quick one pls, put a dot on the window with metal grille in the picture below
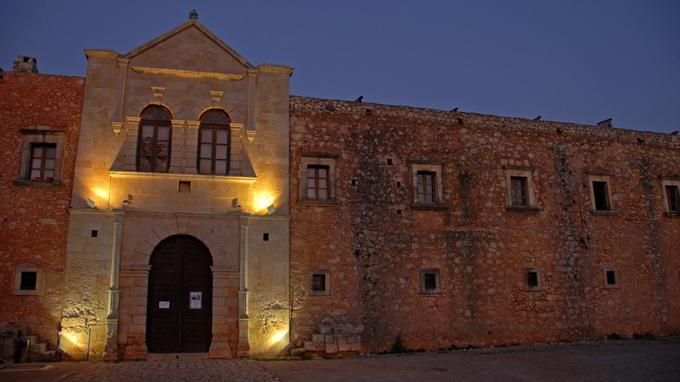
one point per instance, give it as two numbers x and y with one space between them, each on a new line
28 281
426 188
519 191
532 279
317 182
153 146
673 197
43 159
319 282
610 275
601 195
214 143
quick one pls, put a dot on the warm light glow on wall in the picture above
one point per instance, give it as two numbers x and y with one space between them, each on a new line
278 336
262 200
101 193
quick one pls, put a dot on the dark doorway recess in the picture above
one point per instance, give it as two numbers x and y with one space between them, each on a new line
179 308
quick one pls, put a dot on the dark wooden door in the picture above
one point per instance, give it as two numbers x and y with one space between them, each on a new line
179 307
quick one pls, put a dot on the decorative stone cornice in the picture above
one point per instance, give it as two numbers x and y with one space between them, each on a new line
269 68
187 73
170 175
236 126
177 123
158 92
193 124
100 53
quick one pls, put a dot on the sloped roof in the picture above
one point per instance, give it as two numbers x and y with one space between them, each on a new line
186 25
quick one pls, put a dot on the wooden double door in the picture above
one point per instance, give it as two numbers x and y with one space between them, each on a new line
179 311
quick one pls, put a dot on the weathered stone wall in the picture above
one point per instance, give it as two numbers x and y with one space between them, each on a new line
374 242
34 216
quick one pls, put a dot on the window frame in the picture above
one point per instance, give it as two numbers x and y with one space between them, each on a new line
214 129
39 283
593 200
665 184
423 283
40 135
45 146
317 182
155 123
327 283
429 178
418 167
531 203
317 159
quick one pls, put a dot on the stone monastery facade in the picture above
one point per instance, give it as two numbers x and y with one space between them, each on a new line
179 200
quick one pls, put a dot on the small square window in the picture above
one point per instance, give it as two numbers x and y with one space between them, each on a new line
29 280
610 276
320 283
429 281
94 233
601 195
265 236
532 279
673 198
184 187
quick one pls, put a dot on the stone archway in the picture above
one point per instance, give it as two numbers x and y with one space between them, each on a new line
179 299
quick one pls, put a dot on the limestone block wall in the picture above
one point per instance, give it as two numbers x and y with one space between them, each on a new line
188 71
85 304
374 241
34 215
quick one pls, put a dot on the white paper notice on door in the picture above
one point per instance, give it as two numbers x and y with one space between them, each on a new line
163 304
195 300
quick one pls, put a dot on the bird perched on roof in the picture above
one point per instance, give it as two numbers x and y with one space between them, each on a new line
537 118
455 109
675 132
359 99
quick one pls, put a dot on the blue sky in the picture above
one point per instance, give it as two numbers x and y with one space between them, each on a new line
576 61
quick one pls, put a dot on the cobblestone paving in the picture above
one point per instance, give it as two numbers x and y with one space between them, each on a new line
176 370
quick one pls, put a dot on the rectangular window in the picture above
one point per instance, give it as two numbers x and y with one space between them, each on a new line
317 182
429 281
601 195
42 162
320 283
673 197
532 279
610 276
519 191
28 281
184 187
426 187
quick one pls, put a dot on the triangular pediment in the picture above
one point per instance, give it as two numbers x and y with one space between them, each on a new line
189 46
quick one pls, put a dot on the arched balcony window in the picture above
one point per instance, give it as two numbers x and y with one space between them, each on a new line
153 146
214 143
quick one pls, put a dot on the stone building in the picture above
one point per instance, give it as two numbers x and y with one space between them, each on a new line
211 212
39 124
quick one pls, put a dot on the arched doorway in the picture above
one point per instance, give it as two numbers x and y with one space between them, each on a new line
179 308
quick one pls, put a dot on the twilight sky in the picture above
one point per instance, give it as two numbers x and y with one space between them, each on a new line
577 61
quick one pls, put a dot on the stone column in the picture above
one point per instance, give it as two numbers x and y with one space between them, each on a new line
243 348
111 349
191 147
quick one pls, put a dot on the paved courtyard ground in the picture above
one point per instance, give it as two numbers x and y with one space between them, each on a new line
654 360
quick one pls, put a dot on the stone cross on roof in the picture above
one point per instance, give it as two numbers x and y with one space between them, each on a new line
193 15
